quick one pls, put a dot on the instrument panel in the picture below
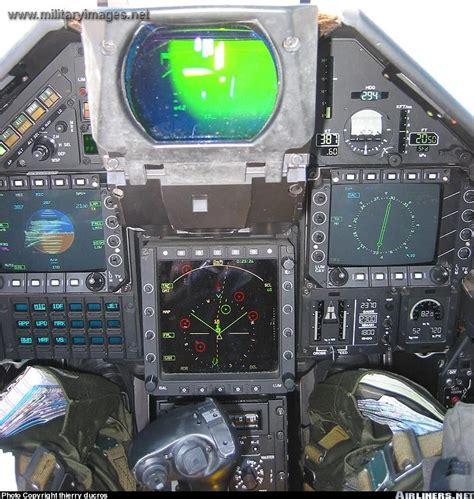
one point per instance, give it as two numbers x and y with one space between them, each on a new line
352 244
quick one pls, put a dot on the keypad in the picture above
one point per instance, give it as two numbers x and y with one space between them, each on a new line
69 324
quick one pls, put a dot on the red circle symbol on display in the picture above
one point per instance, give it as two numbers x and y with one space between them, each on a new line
184 323
239 296
253 315
199 346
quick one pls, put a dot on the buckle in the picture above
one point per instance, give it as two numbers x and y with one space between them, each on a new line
59 477
381 468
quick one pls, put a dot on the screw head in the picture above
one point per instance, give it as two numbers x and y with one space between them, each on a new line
291 43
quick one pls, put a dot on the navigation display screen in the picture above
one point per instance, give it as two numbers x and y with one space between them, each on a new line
219 316
383 224
51 231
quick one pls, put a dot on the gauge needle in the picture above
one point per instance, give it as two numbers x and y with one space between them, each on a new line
384 225
232 323
205 323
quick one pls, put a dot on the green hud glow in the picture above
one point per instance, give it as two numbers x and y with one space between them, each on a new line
217 84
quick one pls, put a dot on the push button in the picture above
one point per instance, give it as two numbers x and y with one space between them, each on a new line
95 324
77 324
75 307
113 324
21 307
94 307
97 340
115 340
78 340
61 340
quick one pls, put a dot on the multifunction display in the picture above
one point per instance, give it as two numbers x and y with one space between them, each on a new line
219 316
51 231
383 224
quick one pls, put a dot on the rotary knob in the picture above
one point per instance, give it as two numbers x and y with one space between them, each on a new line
249 475
43 148
338 276
439 274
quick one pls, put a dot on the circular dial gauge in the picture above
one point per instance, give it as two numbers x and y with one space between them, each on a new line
367 131
426 317
427 310
384 225
218 316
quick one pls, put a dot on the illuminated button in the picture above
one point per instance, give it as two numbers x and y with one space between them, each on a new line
74 282
379 277
48 97
78 340
59 324
94 307
21 307
75 307
112 307
217 252
399 276
22 124
77 324
432 176
235 252
181 253
39 307
35 283
9 137
113 324
3 150
183 390
237 389
25 340
23 324
371 176
15 283
59 182
359 277
85 111
41 324
80 181
418 275
35 110
115 340
42 340
54 283
19 183
350 176
412 176
199 252
220 389
391 176
253 251
97 340
95 324
57 307
256 388
61 340
39 182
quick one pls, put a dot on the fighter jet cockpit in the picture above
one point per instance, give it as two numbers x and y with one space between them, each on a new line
235 255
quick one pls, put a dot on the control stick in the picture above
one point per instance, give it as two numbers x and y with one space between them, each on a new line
195 444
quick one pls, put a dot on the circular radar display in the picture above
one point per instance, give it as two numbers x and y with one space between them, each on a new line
219 316
367 131
49 231
384 225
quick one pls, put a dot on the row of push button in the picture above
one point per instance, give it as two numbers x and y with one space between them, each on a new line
75 340
217 252
390 176
219 390
45 182
109 307
74 324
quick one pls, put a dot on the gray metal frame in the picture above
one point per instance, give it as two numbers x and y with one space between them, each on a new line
125 149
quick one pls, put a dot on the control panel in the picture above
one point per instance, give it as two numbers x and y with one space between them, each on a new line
219 319
386 252
261 426
66 279
374 115
47 127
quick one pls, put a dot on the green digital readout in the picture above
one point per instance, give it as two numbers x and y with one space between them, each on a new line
423 139
209 84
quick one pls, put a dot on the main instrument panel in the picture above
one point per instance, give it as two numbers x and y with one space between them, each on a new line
224 231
